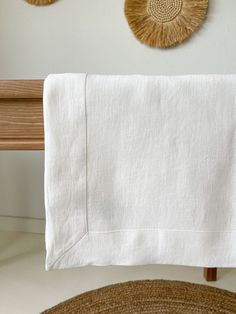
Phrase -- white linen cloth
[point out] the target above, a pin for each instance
(140, 170)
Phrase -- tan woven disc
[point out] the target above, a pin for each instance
(150, 296)
(164, 10)
(41, 2)
(164, 23)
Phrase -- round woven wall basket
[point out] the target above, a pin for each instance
(41, 2)
(150, 296)
(164, 23)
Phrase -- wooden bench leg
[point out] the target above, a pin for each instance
(210, 274)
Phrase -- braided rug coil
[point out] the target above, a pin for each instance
(164, 23)
(150, 296)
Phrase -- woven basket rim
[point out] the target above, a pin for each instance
(41, 2)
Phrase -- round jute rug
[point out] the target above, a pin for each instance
(150, 296)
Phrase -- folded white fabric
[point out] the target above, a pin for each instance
(140, 170)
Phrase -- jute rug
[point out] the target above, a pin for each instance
(150, 296)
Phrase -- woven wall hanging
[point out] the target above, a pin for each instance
(164, 23)
(41, 2)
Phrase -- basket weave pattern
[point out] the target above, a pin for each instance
(164, 23)
(165, 10)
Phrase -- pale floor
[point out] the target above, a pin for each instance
(26, 288)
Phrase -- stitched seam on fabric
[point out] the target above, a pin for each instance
(86, 153)
(160, 229)
(86, 201)
(67, 250)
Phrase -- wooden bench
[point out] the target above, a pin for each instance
(21, 123)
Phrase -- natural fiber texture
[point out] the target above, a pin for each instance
(157, 296)
(41, 2)
(164, 23)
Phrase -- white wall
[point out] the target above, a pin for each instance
(91, 36)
